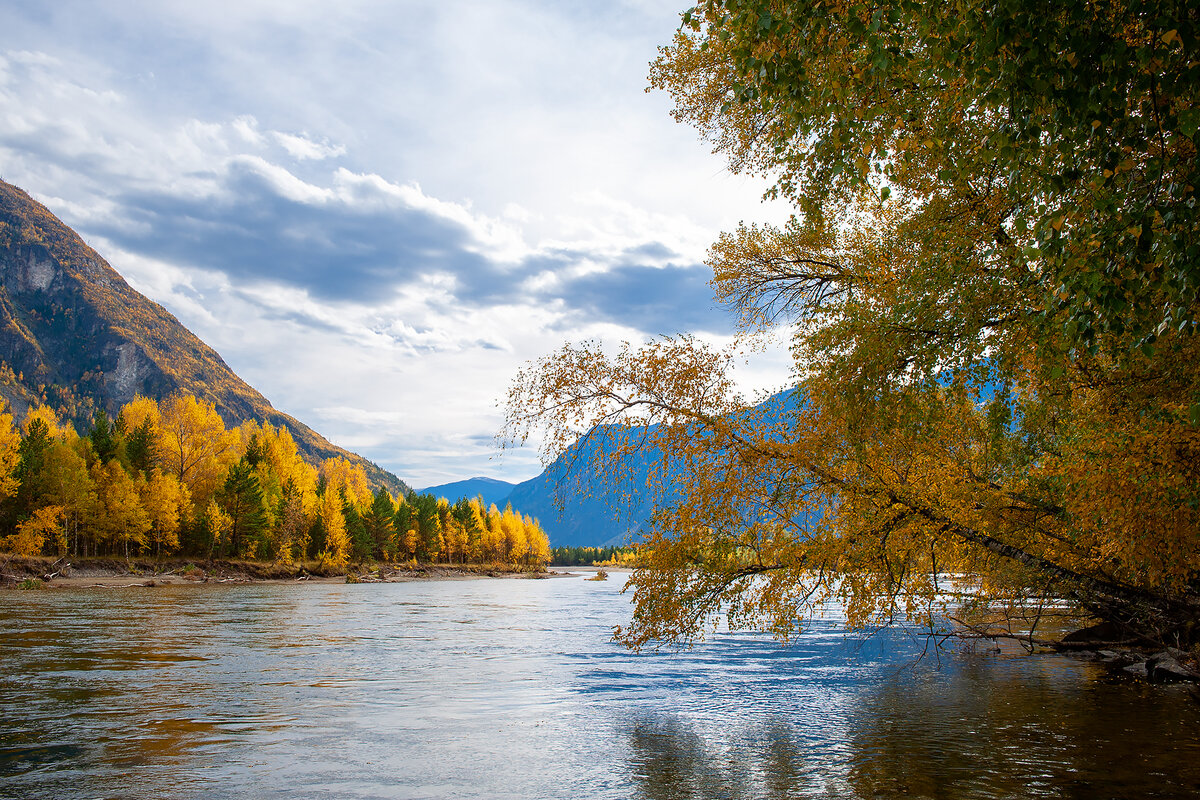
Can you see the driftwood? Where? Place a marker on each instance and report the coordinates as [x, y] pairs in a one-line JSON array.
[[52, 575]]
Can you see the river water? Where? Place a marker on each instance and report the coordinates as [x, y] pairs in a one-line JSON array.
[[512, 689]]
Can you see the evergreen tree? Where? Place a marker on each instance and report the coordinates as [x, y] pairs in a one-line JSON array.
[[379, 524], [31, 461], [429, 528], [361, 544], [254, 451], [140, 448], [241, 498], [102, 434]]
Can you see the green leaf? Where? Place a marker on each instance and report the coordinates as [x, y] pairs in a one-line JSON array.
[[1189, 121]]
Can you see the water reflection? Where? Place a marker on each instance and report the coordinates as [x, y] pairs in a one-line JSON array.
[[1039, 726], [513, 689], [671, 759], [970, 728]]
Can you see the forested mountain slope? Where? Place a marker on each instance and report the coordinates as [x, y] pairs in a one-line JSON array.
[[74, 334]]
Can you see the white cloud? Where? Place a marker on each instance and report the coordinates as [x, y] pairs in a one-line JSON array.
[[247, 128], [521, 129], [304, 148]]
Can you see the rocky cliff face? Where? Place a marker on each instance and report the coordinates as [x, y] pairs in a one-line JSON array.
[[75, 335]]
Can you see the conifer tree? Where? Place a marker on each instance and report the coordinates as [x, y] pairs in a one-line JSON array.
[[379, 524], [102, 436], [241, 499]]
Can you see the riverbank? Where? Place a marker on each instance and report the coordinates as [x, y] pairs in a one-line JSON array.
[[18, 572]]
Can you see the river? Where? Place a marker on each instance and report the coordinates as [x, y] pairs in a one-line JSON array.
[[512, 689]]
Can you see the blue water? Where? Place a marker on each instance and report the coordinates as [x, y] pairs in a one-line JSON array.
[[512, 689]]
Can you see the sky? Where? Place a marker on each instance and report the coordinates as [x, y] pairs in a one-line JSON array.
[[377, 212]]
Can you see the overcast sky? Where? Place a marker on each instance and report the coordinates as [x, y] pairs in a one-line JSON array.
[[378, 211]]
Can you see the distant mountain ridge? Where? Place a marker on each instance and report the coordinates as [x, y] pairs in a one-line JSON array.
[[490, 489], [74, 334], [579, 506]]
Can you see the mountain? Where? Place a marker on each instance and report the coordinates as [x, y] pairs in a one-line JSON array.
[[75, 335], [579, 506], [490, 489]]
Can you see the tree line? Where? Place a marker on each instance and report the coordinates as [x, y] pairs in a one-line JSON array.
[[171, 479], [590, 556]]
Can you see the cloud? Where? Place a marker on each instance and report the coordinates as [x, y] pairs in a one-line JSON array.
[[304, 148], [375, 213], [264, 224], [668, 300], [360, 239]]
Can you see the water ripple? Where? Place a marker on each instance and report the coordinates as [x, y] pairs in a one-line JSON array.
[[506, 688]]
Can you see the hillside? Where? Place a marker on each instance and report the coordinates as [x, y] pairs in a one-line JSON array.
[[74, 334], [490, 489], [579, 506]]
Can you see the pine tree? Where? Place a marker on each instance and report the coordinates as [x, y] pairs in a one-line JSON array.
[[242, 500]]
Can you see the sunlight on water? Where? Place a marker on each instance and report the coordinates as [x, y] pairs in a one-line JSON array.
[[511, 688]]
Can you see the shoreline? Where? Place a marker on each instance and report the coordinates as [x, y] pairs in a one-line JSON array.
[[45, 573]]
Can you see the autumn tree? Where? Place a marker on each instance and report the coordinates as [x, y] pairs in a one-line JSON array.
[[513, 530], [194, 444], [67, 484], [165, 500], [289, 534], [992, 283], [348, 480], [118, 518], [10, 456], [336, 548], [537, 544], [214, 526], [42, 527], [491, 544]]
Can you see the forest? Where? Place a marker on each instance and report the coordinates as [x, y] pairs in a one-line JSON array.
[[592, 556], [170, 478]]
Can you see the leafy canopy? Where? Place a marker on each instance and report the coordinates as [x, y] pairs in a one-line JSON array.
[[992, 279]]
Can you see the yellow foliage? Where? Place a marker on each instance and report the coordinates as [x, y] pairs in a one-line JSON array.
[[166, 502], [46, 524], [337, 542], [194, 444], [10, 442], [344, 478], [217, 526], [138, 410], [54, 428], [118, 518]]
